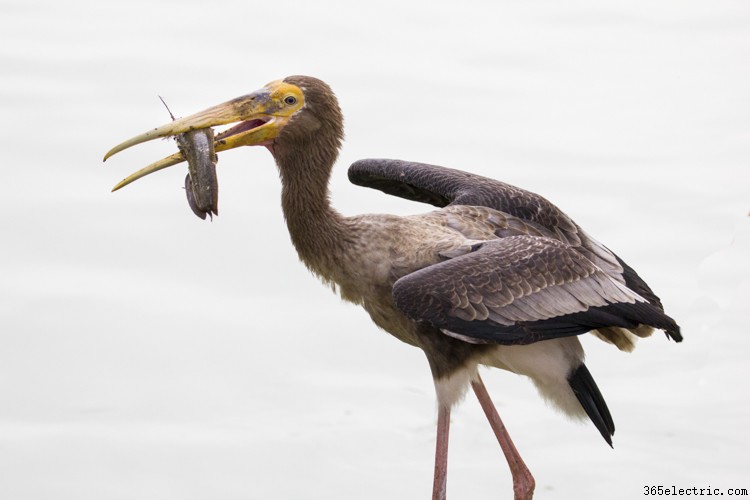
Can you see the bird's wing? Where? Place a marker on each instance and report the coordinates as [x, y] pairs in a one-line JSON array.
[[440, 186], [520, 290]]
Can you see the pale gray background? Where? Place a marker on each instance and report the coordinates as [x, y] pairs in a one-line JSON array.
[[147, 354]]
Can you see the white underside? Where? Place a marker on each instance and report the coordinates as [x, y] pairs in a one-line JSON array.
[[450, 390], [548, 364]]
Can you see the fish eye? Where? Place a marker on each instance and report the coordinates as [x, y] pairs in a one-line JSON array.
[[290, 100]]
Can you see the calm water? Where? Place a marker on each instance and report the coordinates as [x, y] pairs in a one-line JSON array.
[[147, 354]]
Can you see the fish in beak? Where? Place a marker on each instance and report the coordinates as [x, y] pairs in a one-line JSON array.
[[257, 119], [201, 183]]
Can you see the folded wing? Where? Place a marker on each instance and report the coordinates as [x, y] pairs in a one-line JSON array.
[[520, 290]]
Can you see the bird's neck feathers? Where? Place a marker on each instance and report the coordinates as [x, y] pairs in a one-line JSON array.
[[317, 230]]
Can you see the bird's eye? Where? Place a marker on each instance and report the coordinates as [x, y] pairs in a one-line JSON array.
[[290, 99]]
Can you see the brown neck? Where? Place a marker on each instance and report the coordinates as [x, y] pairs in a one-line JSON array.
[[318, 231]]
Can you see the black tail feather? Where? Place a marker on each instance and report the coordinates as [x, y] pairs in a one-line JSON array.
[[591, 399]]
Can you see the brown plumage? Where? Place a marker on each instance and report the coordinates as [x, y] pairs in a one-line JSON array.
[[497, 276]]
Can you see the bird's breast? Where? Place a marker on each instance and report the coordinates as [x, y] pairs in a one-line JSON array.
[[389, 247], [385, 249]]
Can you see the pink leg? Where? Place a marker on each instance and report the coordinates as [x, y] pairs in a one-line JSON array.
[[441, 454], [523, 481]]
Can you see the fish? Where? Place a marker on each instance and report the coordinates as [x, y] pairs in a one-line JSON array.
[[201, 182]]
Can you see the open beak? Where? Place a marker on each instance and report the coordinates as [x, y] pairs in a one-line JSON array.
[[259, 118]]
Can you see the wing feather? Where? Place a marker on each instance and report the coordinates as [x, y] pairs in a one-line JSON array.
[[442, 187], [538, 288]]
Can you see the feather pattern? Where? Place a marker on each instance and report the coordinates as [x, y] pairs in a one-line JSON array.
[[520, 289], [564, 280]]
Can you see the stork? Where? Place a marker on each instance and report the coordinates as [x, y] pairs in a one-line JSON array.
[[496, 276]]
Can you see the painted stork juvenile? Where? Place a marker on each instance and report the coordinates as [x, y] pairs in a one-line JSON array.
[[497, 276]]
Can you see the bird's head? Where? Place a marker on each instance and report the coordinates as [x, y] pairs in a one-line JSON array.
[[296, 112]]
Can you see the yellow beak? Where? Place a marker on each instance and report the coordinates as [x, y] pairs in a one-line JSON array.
[[261, 114]]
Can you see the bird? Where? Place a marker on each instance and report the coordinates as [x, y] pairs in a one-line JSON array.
[[493, 276]]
